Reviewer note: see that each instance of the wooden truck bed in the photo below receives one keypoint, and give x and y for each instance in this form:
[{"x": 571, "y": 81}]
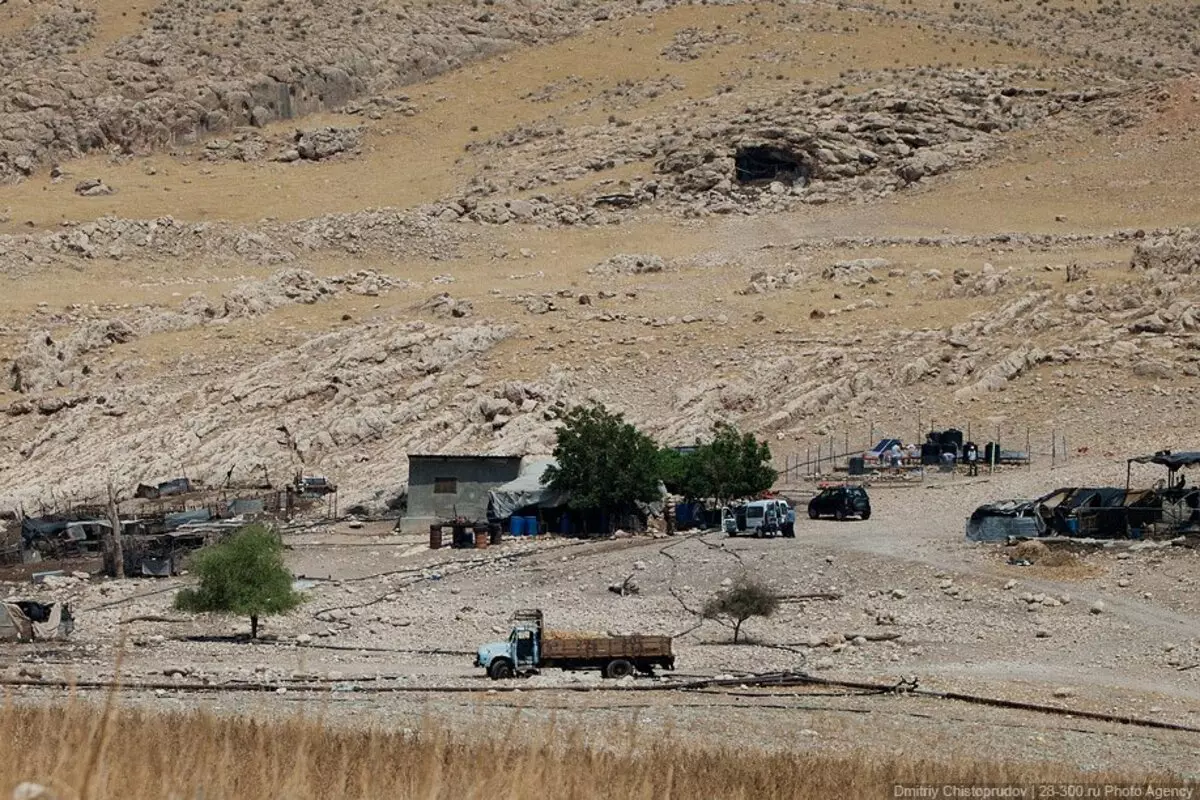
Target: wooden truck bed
[{"x": 607, "y": 647}]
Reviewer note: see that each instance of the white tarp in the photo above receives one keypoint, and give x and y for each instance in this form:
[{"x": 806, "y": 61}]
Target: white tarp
[
  {"x": 525, "y": 490},
  {"x": 15, "y": 624}
]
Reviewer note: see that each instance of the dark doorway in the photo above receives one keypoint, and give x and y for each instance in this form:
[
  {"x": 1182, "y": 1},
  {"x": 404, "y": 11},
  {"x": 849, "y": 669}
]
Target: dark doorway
[{"x": 765, "y": 163}]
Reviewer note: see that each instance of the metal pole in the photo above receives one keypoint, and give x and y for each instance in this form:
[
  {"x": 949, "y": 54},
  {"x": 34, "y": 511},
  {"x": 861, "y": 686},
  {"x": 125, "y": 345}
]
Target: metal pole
[
  {"x": 1028, "y": 450},
  {"x": 1053, "y": 448}
]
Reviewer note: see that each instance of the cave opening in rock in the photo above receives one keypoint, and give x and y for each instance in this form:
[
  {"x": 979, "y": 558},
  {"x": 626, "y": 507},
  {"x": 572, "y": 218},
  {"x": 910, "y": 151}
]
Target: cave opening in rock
[{"x": 762, "y": 163}]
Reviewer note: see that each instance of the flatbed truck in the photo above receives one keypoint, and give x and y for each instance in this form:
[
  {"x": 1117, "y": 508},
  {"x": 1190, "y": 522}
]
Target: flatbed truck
[{"x": 528, "y": 650}]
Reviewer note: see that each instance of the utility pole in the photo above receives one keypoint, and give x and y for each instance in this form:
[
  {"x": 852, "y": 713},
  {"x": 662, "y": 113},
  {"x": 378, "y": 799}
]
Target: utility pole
[{"x": 115, "y": 548}]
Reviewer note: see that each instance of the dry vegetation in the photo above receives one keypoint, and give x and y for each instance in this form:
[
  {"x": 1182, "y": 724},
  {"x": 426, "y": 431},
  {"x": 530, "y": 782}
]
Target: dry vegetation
[{"x": 78, "y": 751}]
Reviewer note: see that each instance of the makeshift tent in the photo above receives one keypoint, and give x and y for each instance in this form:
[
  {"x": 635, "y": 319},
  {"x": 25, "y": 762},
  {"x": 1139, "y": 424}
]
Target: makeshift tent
[
  {"x": 525, "y": 491},
  {"x": 27, "y": 620},
  {"x": 995, "y": 522},
  {"x": 1171, "y": 461},
  {"x": 14, "y": 625}
]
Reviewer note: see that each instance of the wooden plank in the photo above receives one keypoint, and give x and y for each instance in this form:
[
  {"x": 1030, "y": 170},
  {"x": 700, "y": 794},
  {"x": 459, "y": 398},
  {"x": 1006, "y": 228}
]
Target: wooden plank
[{"x": 608, "y": 647}]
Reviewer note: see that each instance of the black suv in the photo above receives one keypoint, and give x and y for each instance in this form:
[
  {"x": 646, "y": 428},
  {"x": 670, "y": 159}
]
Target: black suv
[{"x": 840, "y": 502}]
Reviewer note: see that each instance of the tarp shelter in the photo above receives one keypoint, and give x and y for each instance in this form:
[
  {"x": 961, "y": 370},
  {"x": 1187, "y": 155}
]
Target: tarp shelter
[
  {"x": 27, "y": 621},
  {"x": 995, "y": 522},
  {"x": 525, "y": 491},
  {"x": 1172, "y": 461}
]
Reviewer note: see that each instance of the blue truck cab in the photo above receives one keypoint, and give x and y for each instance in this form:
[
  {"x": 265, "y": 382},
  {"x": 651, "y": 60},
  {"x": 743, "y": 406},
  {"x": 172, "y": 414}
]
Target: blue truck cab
[{"x": 519, "y": 654}]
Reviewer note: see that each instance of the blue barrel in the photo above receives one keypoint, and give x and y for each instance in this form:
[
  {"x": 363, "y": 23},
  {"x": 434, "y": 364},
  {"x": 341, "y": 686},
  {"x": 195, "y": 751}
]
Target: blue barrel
[
  {"x": 531, "y": 526},
  {"x": 516, "y": 526}
]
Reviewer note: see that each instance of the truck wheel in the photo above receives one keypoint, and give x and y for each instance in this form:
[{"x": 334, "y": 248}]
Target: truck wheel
[
  {"x": 840, "y": 515},
  {"x": 500, "y": 669},
  {"x": 618, "y": 668},
  {"x": 813, "y": 513}
]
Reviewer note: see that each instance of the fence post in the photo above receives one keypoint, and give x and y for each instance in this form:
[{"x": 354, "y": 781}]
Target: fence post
[
  {"x": 1028, "y": 450},
  {"x": 1053, "y": 448}
]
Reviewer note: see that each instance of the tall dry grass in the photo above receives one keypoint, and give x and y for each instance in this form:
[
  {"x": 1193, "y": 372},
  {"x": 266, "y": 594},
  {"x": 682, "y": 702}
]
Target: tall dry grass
[{"x": 81, "y": 751}]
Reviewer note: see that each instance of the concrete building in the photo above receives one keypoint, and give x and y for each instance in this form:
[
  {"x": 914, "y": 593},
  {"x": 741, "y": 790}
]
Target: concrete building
[{"x": 441, "y": 487}]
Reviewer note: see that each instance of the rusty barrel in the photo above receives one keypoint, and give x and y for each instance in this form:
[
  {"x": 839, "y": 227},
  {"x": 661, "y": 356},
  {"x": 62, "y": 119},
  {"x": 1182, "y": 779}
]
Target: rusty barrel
[
  {"x": 435, "y": 537},
  {"x": 494, "y": 531},
  {"x": 481, "y": 536}
]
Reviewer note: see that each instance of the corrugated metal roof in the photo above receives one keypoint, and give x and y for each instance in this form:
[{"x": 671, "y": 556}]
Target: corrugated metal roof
[{"x": 461, "y": 455}]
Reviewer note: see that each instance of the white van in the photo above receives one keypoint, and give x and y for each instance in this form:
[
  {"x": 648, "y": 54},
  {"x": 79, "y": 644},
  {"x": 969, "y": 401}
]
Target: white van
[{"x": 766, "y": 517}]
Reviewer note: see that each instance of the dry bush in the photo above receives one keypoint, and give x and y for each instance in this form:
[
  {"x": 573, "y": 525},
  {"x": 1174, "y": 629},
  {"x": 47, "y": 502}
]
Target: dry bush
[{"x": 79, "y": 752}]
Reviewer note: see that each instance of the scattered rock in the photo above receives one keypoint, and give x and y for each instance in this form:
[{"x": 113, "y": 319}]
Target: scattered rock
[{"x": 93, "y": 188}]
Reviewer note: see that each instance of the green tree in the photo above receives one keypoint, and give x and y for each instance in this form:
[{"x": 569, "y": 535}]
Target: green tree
[
  {"x": 741, "y": 601},
  {"x": 604, "y": 462},
  {"x": 244, "y": 575},
  {"x": 732, "y": 465},
  {"x": 678, "y": 473}
]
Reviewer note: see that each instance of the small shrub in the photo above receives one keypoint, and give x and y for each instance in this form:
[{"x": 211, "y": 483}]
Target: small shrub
[{"x": 746, "y": 598}]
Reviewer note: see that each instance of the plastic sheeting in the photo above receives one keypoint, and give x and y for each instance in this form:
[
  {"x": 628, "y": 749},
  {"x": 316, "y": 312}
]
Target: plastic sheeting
[
  {"x": 44, "y": 621},
  {"x": 995, "y": 522},
  {"x": 525, "y": 490},
  {"x": 1171, "y": 461}
]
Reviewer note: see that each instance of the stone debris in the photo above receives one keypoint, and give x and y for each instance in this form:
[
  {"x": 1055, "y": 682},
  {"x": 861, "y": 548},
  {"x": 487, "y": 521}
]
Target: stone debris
[
  {"x": 625, "y": 264},
  {"x": 93, "y": 187}
]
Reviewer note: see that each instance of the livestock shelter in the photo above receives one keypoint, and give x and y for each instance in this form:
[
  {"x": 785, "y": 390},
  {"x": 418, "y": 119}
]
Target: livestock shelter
[{"x": 442, "y": 487}]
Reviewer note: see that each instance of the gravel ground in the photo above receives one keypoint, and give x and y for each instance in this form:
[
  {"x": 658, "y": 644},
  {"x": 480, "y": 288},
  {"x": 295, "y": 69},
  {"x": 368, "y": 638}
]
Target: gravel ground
[{"x": 385, "y": 612}]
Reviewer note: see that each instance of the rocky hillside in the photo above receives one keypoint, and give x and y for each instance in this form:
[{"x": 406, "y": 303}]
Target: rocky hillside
[{"x": 804, "y": 240}]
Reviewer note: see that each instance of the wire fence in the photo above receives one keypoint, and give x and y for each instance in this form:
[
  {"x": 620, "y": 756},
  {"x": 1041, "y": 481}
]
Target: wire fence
[{"x": 999, "y": 444}]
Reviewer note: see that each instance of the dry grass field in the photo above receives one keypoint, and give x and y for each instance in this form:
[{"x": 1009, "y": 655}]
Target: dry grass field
[{"x": 79, "y": 751}]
